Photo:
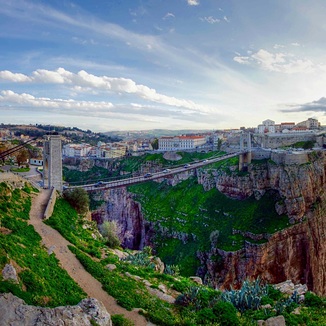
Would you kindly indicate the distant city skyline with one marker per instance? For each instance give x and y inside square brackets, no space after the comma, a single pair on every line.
[162,64]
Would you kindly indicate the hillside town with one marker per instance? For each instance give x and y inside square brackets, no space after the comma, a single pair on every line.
[265,135]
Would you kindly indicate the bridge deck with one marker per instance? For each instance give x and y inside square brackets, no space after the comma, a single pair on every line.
[153,176]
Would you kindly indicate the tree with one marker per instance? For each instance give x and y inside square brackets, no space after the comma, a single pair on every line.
[78,199]
[22,156]
[155,143]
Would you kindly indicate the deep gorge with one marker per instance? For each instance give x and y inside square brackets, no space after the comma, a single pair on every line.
[285,205]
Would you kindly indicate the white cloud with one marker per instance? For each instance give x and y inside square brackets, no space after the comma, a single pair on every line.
[210,20]
[13,77]
[295,44]
[89,82]
[278,62]
[27,99]
[242,59]
[193,2]
[168,15]
[226,19]
[278,46]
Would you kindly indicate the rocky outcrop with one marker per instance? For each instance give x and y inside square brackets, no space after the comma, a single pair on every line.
[14,311]
[297,253]
[299,186]
[9,273]
[134,231]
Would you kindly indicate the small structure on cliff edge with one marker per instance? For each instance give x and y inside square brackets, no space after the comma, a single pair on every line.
[52,162]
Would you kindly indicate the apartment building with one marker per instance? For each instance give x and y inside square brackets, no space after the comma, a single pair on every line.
[178,143]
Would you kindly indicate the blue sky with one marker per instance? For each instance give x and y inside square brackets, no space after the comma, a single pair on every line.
[174,64]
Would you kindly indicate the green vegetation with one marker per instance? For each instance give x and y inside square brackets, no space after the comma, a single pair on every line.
[78,199]
[20,169]
[304,144]
[109,231]
[66,220]
[93,175]
[194,214]
[120,320]
[41,280]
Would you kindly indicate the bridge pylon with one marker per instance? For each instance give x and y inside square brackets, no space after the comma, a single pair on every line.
[245,147]
[52,162]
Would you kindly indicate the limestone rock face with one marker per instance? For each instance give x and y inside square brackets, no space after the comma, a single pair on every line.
[14,311]
[121,207]
[297,253]
[300,186]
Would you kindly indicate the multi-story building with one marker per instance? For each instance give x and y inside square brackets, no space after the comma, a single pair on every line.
[268,126]
[311,123]
[76,150]
[178,143]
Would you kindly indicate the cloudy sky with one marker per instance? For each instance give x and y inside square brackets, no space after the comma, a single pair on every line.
[175,64]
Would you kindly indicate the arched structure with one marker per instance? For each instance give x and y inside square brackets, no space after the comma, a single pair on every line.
[52,162]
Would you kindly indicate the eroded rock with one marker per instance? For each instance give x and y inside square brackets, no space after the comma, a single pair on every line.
[14,311]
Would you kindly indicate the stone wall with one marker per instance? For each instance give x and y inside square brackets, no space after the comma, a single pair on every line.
[50,206]
[280,140]
[290,158]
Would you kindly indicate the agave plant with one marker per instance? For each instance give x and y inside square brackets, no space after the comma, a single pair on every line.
[248,297]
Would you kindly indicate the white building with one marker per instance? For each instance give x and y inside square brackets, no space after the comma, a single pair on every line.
[76,150]
[268,126]
[178,143]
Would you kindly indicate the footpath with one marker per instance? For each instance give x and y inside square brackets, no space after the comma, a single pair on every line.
[54,242]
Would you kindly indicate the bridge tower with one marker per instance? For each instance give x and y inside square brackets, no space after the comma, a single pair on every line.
[52,162]
[245,148]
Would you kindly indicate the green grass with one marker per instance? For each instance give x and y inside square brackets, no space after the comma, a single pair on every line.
[41,280]
[189,215]
[66,220]
[20,169]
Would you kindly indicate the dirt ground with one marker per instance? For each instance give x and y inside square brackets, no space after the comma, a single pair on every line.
[59,245]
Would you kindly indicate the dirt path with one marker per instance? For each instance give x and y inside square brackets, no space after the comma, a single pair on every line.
[53,239]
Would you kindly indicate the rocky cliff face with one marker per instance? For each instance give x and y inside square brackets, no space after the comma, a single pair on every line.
[297,253]
[134,231]
[299,186]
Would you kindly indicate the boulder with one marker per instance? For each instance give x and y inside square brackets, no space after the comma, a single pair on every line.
[196,279]
[9,273]
[14,311]
[273,321]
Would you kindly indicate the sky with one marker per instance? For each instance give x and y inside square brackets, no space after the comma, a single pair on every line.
[108,65]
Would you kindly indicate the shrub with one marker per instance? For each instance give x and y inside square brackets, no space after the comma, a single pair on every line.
[109,230]
[140,259]
[273,293]
[78,199]
[172,270]
[312,300]
[120,320]
[225,313]
[206,317]
[197,298]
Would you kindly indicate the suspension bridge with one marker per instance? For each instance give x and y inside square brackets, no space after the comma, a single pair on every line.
[52,165]
[101,185]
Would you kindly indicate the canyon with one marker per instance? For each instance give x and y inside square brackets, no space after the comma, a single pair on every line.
[297,252]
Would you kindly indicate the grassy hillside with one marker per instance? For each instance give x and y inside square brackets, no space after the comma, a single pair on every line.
[41,280]
[134,282]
